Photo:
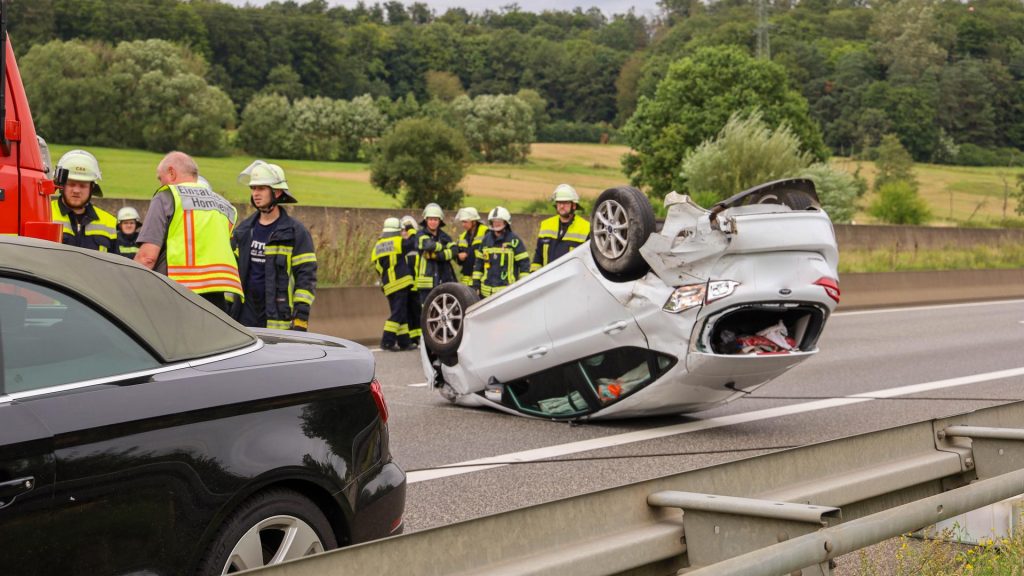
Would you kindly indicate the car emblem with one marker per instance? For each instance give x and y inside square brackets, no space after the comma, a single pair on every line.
[785,291]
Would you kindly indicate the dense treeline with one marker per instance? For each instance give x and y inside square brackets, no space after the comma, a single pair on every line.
[944,76]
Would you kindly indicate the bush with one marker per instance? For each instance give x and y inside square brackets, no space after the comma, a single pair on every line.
[898,203]
[893,163]
[837,190]
[745,153]
[266,128]
[424,160]
[497,128]
[566,131]
[974,155]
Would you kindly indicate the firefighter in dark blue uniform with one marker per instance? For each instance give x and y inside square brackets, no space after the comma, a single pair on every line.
[388,258]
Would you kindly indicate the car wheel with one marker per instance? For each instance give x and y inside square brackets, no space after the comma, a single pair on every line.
[443,314]
[621,222]
[270,528]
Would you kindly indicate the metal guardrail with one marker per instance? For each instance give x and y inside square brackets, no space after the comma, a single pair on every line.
[757,516]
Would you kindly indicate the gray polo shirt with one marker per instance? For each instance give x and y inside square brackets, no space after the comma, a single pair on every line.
[154,228]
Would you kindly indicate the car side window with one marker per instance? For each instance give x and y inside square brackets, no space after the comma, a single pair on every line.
[49,338]
[587,385]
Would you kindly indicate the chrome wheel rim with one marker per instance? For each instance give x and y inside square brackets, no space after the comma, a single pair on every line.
[444,318]
[611,229]
[273,541]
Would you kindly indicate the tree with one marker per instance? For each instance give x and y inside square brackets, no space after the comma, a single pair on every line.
[497,128]
[696,99]
[904,33]
[283,80]
[893,163]
[837,191]
[266,127]
[898,203]
[423,160]
[444,86]
[745,153]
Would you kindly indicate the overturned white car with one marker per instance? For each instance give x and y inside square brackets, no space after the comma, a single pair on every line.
[640,323]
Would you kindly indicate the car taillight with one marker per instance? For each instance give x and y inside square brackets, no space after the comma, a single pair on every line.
[831,287]
[718,289]
[378,398]
[684,298]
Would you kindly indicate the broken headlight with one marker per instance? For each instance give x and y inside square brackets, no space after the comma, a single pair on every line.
[684,298]
[719,289]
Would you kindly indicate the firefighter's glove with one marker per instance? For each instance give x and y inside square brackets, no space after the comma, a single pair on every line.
[300,325]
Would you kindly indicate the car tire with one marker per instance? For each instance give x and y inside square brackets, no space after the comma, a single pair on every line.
[443,313]
[258,533]
[621,222]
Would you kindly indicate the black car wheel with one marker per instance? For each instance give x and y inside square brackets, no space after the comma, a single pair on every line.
[621,222]
[443,314]
[270,528]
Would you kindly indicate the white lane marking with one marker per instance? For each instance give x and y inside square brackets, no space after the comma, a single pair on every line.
[927,308]
[690,427]
[420,385]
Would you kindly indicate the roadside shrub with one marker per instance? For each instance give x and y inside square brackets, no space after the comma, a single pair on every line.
[745,153]
[893,163]
[898,203]
[837,190]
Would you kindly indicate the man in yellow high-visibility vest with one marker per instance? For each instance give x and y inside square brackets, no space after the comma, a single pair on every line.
[563,232]
[187,232]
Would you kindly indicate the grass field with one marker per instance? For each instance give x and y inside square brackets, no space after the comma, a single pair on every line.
[957,195]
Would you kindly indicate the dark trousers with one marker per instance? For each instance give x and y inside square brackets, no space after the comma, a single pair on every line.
[396,328]
[414,310]
[217,299]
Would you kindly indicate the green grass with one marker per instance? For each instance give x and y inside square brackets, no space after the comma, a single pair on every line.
[974,258]
[132,174]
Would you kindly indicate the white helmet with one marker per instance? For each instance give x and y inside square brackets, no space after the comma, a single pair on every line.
[565,193]
[392,224]
[500,213]
[260,173]
[409,222]
[467,214]
[433,210]
[128,213]
[82,166]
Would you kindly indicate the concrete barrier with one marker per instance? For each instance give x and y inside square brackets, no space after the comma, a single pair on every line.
[358,313]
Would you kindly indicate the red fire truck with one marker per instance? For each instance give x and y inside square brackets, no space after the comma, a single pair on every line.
[25,188]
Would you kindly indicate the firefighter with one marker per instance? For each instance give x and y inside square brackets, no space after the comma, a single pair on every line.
[436,251]
[389,259]
[187,232]
[87,226]
[473,231]
[562,232]
[128,223]
[501,257]
[409,230]
[276,259]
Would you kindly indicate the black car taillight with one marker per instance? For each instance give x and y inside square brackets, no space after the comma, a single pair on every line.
[378,398]
[831,287]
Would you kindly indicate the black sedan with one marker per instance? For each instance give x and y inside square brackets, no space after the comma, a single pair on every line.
[142,431]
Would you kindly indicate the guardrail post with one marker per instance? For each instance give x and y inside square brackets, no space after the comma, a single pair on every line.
[719,527]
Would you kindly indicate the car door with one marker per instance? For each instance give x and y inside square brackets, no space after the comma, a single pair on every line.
[26,490]
[67,367]
[582,317]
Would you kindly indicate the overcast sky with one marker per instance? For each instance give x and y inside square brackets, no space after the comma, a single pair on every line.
[609,7]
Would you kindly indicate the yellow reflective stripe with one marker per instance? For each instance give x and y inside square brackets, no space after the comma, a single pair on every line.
[97,228]
[544,254]
[304,296]
[303,258]
[415,333]
[547,234]
[403,329]
[278,250]
[396,285]
[279,324]
[199,270]
[522,256]
[468,280]
[534,267]
[569,237]
[390,326]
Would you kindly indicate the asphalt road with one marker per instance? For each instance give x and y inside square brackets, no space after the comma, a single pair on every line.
[958,349]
